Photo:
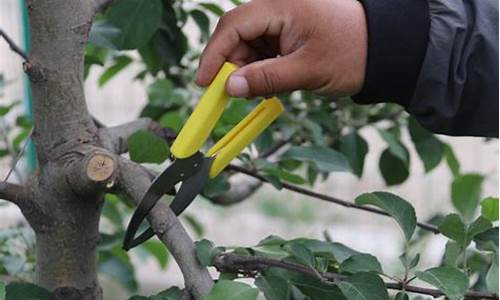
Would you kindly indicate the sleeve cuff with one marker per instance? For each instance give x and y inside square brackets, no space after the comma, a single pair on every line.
[398,33]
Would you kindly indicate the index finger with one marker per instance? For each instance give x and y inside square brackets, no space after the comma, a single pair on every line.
[244,23]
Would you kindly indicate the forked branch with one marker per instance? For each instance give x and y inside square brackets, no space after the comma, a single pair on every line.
[133,182]
[253,265]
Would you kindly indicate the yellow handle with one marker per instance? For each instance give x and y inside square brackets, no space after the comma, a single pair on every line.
[243,134]
[208,110]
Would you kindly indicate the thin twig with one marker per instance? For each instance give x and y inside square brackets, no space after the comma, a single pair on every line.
[274,148]
[255,264]
[323,197]
[13,45]
[19,155]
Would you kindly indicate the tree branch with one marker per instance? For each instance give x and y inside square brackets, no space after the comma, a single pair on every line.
[14,193]
[116,137]
[323,197]
[241,188]
[13,45]
[275,148]
[255,264]
[133,182]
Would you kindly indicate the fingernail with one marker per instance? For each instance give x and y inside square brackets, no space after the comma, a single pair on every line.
[237,86]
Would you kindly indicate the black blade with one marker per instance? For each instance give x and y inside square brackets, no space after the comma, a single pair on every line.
[176,172]
[191,187]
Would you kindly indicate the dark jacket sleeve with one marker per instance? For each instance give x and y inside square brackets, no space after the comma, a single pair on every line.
[438,59]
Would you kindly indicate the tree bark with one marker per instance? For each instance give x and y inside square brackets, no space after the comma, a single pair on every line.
[133,182]
[66,225]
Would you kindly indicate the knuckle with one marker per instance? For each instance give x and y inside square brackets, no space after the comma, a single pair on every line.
[270,80]
[226,18]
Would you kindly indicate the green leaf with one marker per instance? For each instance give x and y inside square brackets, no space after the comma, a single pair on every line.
[273,287]
[158,250]
[272,240]
[316,132]
[332,250]
[173,293]
[136,297]
[465,193]
[480,225]
[454,228]
[274,181]
[193,223]
[235,112]
[301,253]
[94,56]
[5,109]
[103,33]
[201,19]
[274,170]
[2,291]
[232,290]
[492,276]
[488,240]
[452,160]
[171,120]
[20,138]
[285,175]
[307,286]
[227,276]
[429,148]
[402,296]
[216,186]
[364,286]
[489,208]
[116,265]
[137,20]
[361,263]
[206,251]
[452,253]
[24,122]
[395,146]
[109,241]
[120,63]
[145,147]
[394,170]
[324,159]
[111,212]
[409,263]
[163,93]
[355,148]
[451,281]
[398,208]
[236,2]
[26,291]
[212,7]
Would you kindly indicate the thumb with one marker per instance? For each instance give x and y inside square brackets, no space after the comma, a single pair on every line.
[269,76]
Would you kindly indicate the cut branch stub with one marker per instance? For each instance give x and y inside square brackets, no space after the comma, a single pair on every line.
[100,168]
[93,174]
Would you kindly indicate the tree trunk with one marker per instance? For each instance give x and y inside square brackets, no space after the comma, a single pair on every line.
[66,225]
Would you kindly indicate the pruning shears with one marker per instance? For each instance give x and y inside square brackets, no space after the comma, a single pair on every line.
[190,166]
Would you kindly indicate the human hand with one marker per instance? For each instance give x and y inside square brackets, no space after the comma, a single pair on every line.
[285,45]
